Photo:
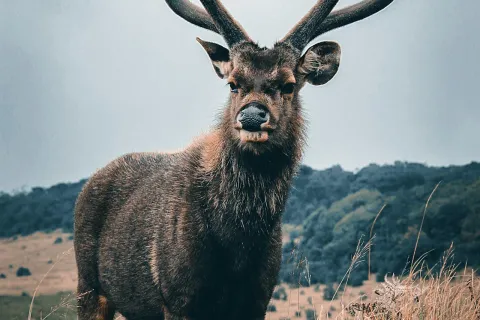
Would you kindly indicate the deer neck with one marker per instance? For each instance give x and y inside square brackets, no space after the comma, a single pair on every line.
[245,190]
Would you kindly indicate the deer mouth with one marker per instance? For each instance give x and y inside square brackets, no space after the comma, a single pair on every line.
[253,123]
[258,136]
[253,136]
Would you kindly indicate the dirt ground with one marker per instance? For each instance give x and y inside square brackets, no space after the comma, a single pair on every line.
[39,254]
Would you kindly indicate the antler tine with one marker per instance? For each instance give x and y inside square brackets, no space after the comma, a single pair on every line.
[302,33]
[350,14]
[192,13]
[315,24]
[228,27]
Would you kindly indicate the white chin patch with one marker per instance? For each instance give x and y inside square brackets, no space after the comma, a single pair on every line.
[257,136]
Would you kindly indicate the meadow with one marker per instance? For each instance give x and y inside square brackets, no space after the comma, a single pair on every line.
[451,293]
[348,241]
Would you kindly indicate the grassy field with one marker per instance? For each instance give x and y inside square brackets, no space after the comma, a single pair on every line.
[54,307]
[416,296]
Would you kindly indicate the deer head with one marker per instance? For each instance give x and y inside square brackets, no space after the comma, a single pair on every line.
[264,109]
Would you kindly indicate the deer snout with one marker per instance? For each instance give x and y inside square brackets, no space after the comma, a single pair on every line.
[252,116]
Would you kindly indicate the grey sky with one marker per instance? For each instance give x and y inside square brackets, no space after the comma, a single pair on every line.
[84,81]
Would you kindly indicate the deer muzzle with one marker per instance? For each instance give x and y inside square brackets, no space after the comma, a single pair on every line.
[252,121]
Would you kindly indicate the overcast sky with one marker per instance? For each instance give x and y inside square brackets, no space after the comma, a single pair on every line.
[84,81]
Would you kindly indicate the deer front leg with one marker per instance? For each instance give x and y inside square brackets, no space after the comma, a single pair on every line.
[171,316]
[255,291]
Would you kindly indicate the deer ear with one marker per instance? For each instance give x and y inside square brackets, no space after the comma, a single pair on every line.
[320,63]
[220,57]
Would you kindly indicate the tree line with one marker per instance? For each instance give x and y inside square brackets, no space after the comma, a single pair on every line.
[335,208]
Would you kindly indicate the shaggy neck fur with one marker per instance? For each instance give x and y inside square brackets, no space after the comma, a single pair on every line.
[245,190]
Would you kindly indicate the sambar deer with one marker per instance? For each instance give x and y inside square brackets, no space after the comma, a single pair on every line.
[197,234]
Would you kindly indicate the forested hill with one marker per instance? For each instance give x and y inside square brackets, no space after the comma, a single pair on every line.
[335,208]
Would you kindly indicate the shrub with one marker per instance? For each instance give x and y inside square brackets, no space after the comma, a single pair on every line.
[356,279]
[328,292]
[310,314]
[280,294]
[23,272]
[271,308]
[3,276]
[70,237]
[380,277]
[298,314]
[363,296]
[58,240]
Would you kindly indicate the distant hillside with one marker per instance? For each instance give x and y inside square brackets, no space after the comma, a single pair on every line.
[41,209]
[335,208]
[339,208]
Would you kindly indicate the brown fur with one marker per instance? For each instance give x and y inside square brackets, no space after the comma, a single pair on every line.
[196,234]
[104,311]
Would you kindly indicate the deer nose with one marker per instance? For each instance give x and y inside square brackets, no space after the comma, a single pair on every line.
[252,116]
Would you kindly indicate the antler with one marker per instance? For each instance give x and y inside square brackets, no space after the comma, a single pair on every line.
[216,18]
[320,19]
[353,13]
[192,13]
[303,32]
[229,28]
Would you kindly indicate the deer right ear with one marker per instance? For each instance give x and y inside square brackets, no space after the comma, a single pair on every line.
[320,63]
[220,57]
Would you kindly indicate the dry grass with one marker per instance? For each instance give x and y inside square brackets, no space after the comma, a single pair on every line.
[447,293]
[371,237]
[64,303]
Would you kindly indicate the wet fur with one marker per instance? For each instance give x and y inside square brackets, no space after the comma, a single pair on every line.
[194,234]
[197,234]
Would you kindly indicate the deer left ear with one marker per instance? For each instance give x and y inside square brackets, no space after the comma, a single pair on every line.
[220,57]
[320,63]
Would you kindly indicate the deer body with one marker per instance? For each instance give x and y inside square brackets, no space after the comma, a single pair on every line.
[177,230]
[197,234]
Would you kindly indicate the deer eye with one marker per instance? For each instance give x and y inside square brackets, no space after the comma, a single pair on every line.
[271,91]
[233,87]
[288,88]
